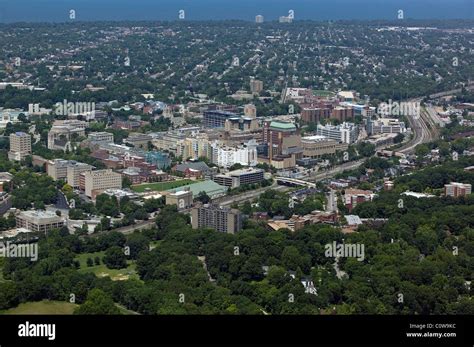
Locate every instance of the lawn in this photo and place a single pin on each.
(43, 307)
(102, 270)
(323, 93)
(161, 186)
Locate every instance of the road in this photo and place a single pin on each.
(247, 196)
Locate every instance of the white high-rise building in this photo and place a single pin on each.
(225, 156)
(259, 19)
(345, 132)
(20, 146)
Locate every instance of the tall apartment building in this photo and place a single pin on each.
(225, 156)
(456, 189)
(20, 146)
(236, 178)
(67, 170)
(95, 182)
(221, 219)
(38, 221)
(314, 114)
(345, 132)
(216, 118)
(256, 86)
(259, 19)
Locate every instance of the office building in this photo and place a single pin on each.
(216, 118)
(20, 146)
(259, 19)
(316, 146)
(64, 132)
(101, 137)
(95, 182)
(456, 189)
(221, 219)
(39, 221)
(237, 178)
(345, 132)
(67, 170)
(385, 126)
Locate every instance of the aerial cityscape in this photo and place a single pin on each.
(267, 167)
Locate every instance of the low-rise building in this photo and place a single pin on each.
(39, 221)
(353, 197)
(316, 146)
(236, 178)
(182, 199)
(101, 137)
(456, 189)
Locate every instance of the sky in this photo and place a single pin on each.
(58, 10)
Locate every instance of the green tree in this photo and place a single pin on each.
(98, 303)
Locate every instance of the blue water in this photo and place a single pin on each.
(87, 10)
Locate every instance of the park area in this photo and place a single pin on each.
(160, 186)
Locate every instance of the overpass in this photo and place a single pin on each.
(286, 181)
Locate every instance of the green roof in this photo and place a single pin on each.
(210, 187)
(282, 125)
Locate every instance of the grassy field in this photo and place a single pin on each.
(102, 270)
(160, 186)
(43, 307)
(323, 93)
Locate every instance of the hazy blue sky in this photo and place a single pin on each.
(57, 10)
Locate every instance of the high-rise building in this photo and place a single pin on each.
(225, 156)
(221, 219)
(283, 138)
(20, 146)
(95, 182)
(250, 111)
(256, 86)
(259, 19)
(345, 132)
(216, 118)
(67, 170)
(456, 189)
(314, 114)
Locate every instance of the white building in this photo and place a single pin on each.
(225, 156)
(345, 132)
